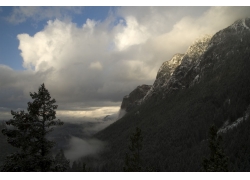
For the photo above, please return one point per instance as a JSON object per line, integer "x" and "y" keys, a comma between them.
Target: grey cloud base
{"x": 96, "y": 64}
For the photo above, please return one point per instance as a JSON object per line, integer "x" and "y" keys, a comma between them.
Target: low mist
{"x": 80, "y": 148}
{"x": 121, "y": 113}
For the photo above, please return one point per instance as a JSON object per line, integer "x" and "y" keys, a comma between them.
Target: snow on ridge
{"x": 224, "y": 129}
{"x": 227, "y": 126}
{"x": 244, "y": 24}
{"x": 164, "y": 74}
{"x": 173, "y": 61}
{"x": 239, "y": 24}
{"x": 170, "y": 72}
{"x": 196, "y": 79}
{"x": 198, "y": 46}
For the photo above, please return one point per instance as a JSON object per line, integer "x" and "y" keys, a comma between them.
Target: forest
{"x": 178, "y": 132}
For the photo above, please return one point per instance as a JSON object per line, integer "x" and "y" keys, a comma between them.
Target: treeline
{"x": 28, "y": 136}
{"x": 175, "y": 129}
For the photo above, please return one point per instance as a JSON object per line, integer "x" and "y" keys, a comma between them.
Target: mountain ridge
{"x": 175, "y": 123}
{"x": 172, "y": 72}
{"x": 187, "y": 70}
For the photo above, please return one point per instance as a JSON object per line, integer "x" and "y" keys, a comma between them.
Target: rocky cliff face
{"x": 134, "y": 98}
{"x": 185, "y": 73}
{"x": 164, "y": 74}
{"x": 176, "y": 73}
{"x": 225, "y": 43}
{"x": 188, "y": 71}
{"x": 185, "y": 70}
{"x": 210, "y": 85}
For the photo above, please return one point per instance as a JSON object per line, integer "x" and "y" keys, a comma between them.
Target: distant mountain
{"x": 209, "y": 84}
{"x": 111, "y": 117}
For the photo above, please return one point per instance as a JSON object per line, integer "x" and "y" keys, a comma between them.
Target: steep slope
{"x": 185, "y": 72}
{"x": 144, "y": 92}
{"x": 132, "y": 100}
{"x": 180, "y": 72}
{"x": 175, "y": 128}
{"x": 164, "y": 74}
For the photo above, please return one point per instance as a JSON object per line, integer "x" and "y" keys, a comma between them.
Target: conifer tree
{"x": 74, "y": 167}
{"x": 29, "y": 134}
{"x": 84, "y": 169}
{"x": 133, "y": 162}
{"x": 217, "y": 162}
{"x": 61, "y": 163}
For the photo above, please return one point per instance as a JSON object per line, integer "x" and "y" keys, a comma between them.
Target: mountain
{"x": 177, "y": 73}
{"x": 208, "y": 85}
{"x": 164, "y": 74}
{"x": 184, "y": 70}
{"x": 181, "y": 71}
{"x": 134, "y": 99}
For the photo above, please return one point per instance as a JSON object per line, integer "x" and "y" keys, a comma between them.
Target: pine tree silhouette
{"x": 29, "y": 134}
{"x": 217, "y": 162}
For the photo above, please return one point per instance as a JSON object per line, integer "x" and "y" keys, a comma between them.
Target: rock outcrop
{"x": 134, "y": 98}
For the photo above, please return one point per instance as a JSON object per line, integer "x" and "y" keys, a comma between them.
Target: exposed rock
{"x": 185, "y": 70}
{"x": 188, "y": 70}
{"x": 164, "y": 74}
{"x": 134, "y": 98}
{"x": 108, "y": 118}
{"x": 181, "y": 71}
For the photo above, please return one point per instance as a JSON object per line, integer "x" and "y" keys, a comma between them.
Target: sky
{"x": 90, "y": 57}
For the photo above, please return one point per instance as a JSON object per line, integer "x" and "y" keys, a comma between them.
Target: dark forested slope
{"x": 175, "y": 123}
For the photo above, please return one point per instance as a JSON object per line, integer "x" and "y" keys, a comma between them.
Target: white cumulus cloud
{"x": 96, "y": 63}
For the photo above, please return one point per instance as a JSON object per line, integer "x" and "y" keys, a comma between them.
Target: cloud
{"x": 94, "y": 112}
{"x": 95, "y": 66}
{"x": 35, "y": 13}
{"x": 96, "y": 63}
{"x": 80, "y": 148}
{"x": 5, "y": 113}
{"x": 74, "y": 57}
{"x": 16, "y": 85}
{"x": 132, "y": 34}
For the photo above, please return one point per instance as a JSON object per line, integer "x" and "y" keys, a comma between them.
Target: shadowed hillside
{"x": 175, "y": 126}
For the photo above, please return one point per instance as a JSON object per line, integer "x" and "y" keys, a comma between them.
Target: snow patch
{"x": 231, "y": 126}
{"x": 196, "y": 78}
{"x": 244, "y": 24}
{"x": 227, "y": 127}
{"x": 126, "y": 97}
{"x": 239, "y": 24}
